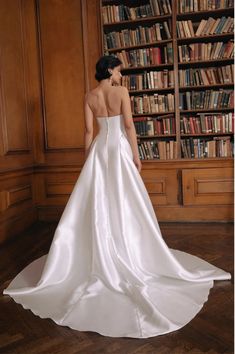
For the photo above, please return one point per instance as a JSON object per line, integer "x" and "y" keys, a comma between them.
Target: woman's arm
{"x": 130, "y": 127}
{"x": 88, "y": 133}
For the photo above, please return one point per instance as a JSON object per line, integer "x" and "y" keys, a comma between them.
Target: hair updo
{"x": 103, "y": 64}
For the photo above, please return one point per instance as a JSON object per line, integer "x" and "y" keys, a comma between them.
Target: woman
{"x": 108, "y": 269}
{"x": 110, "y": 100}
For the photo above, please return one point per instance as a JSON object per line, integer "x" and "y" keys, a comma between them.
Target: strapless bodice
{"x": 113, "y": 125}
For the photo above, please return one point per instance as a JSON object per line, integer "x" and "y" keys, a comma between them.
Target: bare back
{"x": 109, "y": 102}
{"x": 105, "y": 102}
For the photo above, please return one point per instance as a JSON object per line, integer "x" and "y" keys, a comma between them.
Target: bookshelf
{"x": 175, "y": 58}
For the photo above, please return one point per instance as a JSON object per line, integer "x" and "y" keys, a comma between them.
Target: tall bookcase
{"x": 183, "y": 132}
{"x": 182, "y": 187}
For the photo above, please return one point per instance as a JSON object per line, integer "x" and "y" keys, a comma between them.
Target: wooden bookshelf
{"x": 176, "y": 65}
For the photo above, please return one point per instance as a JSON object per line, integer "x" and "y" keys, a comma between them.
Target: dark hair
{"x": 103, "y": 64}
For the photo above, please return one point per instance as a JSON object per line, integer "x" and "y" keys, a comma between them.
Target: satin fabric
{"x": 108, "y": 268}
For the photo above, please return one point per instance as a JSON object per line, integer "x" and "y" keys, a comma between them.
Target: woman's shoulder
{"x": 118, "y": 90}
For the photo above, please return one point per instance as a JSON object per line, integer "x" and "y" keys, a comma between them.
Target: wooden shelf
{"x": 189, "y": 159}
{"x": 175, "y": 66}
{"x": 187, "y": 88}
{"x": 205, "y": 13}
{"x": 151, "y": 114}
{"x": 208, "y": 38}
{"x": 149, "y": 67}
{"x": 165, "y": 89}
{"x": 141, "y": 45}
{"x": 137, "y": 21}
{"x": 207, "y": 110}
{"x": 205, "y": 134}
{"x": 156, "y": 136}
{"x": 208, "y": 62}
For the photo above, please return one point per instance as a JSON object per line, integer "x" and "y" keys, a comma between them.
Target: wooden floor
{"x": 211, "y": 331}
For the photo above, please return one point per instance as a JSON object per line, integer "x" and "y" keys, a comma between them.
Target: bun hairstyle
{"x": 103, "y": 64}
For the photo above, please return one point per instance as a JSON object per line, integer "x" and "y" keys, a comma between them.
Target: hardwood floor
{"x": 211, "y": 331}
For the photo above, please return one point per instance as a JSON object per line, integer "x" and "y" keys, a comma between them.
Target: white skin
{"x": 123, "y": 98}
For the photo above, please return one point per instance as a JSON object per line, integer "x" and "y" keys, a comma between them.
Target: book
{"x": 185, "y": 6}
{"x": 206, "y": 76}
{"x": 210, "y": 26}
{"x": 205, "y": 51}
{"x": 149, "y": 80}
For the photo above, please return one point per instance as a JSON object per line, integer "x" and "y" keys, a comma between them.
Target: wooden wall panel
{"x": 16, "y": 143}
{"x": 17, "y": 206}
{"x": 55, "y": 188}
{"x": 63, "y": 73}
{"x": 208, "y": 186}
{"x": 162, "y": 186}
{"x": 92, "y": 43}
{"x": 19, "y": 111}
{"x": 14, "y": 85}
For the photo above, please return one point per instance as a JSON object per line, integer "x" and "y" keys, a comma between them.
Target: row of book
{"x": 206, "y": 99}
{"x": 148, "y": 126}
{"x": 156, "y": 149}
{"x": 187, "y": 52}
{"x": 219, "y": 146}
{"x": 207, "y": 123}
{"x": 152, "y": 103}
{"x": 206, "y": 76}
{"x": 203, "y": 5}
{"x": 206, "y": 51}
{"x": 149, "y": 80}
{"x": 146, "y": 56}
{"x": 206, "y": 27}
{"x": 140, "y": 35}
{"x": 190, "y": 148}
{"x": 117, "y": 13}
{"x": 203, "y": 123}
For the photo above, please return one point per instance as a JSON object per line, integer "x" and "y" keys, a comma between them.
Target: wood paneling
{"x": 48, "y": 52}
{"x": 55, "y": 188}
{"x": 16, "y": 143}
{"x": 92, "y": 43}
{"x": 208, "y": 186}
{"x": 19, "y": 111}
{"x": 162, "y": 186}
{"x": 17, "y": 203}
{"x": 61, "y": 48}
{"x": 164, "y": 183}
{"x": 14, "y": 81}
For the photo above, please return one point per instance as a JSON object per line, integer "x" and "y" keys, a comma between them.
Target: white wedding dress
{"x": 108, "y": 268}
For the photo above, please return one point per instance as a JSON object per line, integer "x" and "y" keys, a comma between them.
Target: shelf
{"x": 137, "y": 21}
{"x": 139, "y": 137}
{"x": 205, "y": 134}
{"x": 207, "y": 110}
{"x": 156, "y": 136}
{"x": 177, "y": 89}
{"x": 206, "y": 62}
{"x": 186, "y": 88}
{"x": 141, "y": 45}
{"x": 151, "y": 114}
{"x": 205, "y": 13}
{"x": 149, "y": 67}
{"x": 190, "y": 159}
{"x": 207, "y": 38}
{"x": 165, "y": 89}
